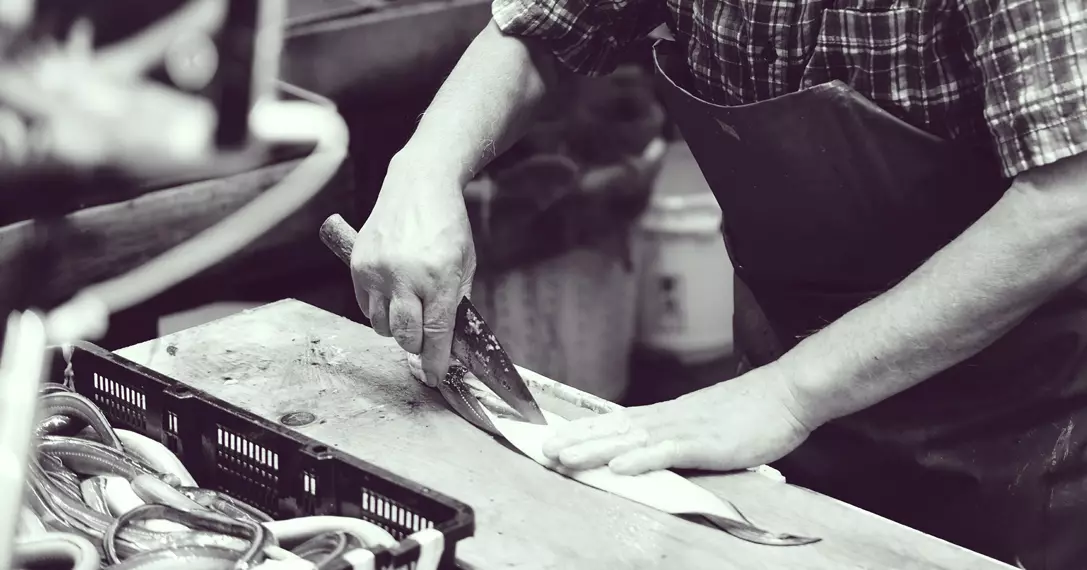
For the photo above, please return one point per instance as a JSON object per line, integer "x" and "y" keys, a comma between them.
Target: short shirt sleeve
{"x": 1032, "y": 58}
{"x": 587, "y": 36}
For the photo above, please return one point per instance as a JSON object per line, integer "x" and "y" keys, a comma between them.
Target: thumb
{"x": 439, "y": 315}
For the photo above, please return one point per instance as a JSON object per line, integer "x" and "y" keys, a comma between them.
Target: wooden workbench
{"x": 289, "y": 356}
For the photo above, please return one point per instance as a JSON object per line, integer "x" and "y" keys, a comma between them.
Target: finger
{"x": 362, "y": 294}
{"x": 415, "y": 367}
{"x": 406, "y": 321}
{"x": 379, "y": 314}
{"x": 439, "y": 316}
{"x": 597, "y": 452}
{"x": 661, "y": 455}
{"x": 583, "y": 430}
{"x": 81, "y": 39}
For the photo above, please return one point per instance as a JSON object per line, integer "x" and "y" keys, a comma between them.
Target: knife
{"x": 474, "y": 345}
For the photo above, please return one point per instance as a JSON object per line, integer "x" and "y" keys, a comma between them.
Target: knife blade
{"x": 478, "y": 349}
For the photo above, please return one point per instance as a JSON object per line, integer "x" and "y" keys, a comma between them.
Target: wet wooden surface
{"x": 289, "y": 356}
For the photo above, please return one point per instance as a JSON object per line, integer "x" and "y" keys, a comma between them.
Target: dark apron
{"x": 828, "y": 201}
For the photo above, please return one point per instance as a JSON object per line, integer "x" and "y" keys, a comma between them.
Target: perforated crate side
{"x": 269, "y": 466}
{"x": 250, "y": 461}
{"x": 379, "y": 501}
{"x": 129, "y": 398}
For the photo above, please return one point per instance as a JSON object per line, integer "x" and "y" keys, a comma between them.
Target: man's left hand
{"x": 745, "y": 422}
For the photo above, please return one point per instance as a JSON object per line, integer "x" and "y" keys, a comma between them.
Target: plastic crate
{"x": 266, "y": 465}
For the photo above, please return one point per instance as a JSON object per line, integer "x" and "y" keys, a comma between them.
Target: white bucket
{"x": 685, "y": 294}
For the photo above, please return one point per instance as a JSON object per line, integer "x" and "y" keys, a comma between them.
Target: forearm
{"x": 1030, "y": 245}
{"x": 482, "y": 108}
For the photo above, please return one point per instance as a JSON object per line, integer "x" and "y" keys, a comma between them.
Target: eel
{"x": 182, "y": 558}
{"x": 90, "y": 458}
{"x": 327, "y": 549}
{"x": 78, "y": 407}
{"x": 225, "y": 505}
{"x": 155, "y": 455}
{"x": 292, "y": 532}
{"x": 63, "y": 512}
{"x": 256, "y": 535}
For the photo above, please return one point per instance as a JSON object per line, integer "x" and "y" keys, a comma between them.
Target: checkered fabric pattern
{"x": 1010, "y": 75}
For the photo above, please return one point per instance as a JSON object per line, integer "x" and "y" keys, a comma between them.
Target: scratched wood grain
{"x": 289, "y": 356}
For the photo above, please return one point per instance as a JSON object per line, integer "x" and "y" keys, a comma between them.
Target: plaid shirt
{"x": 1007, "y": 74}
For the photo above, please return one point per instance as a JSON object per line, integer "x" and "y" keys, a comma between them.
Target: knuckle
{"x": 362, "y": 258}
{"x": 438, "y": 319}
{"x": 640, "y": 437}
{"x": 441, "y": 268}
{"x": 622, "y": 422}
{"x": 402, "y": 323}
{"x": 406, "y": 340}
{"x": 666, "y": 452}
{"x": 681, "y": 452}
{"x": 366, "y": 275}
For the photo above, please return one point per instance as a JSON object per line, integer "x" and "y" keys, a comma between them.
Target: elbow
{"x": 1054, "y": 199}
{"x": 550, "y": 72}
{"x": 1047, "y": 209}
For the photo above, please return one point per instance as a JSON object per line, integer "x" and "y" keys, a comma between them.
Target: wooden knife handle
{"x": 339, "y": 236}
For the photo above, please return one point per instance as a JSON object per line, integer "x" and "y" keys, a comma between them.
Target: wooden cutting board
{"x": 289, "y": 356}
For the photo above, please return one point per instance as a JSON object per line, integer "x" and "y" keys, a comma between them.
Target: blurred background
{"x": 612, "y": 280}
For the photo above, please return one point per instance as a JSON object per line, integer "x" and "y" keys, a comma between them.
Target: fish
{"x": 78, "y": 407}
{"x": 292, "y": 532}
{"x": 182, "y": 558}
{"x": 94, "y": 494}
{"x": 65, "y": 479}
{"x": 58, "y": 425}
{"x": 128, "y": 499}
{"x": 225, "y": 505}
{"x": 155, "y": 455}
{"x": 256, "y": 535}
{"x": 327, "y": 549}
{"x": 59, "y": 510}
{"x": 153, "y": 490}
{"x": 90, "y": 458}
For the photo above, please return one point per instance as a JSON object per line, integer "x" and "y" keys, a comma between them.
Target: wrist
{"x": 807, "y": 402}
{"x": 433, "y": 169}
{"x": 440, "y": 158}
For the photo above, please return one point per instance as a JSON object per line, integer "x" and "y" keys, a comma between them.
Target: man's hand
{"x": 414, "y": 258}
{"x": 744, "y": 422}
{"x": 412, "y": 262}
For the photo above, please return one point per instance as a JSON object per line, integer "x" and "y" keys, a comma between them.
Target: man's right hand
{"x": 412, "y": 262}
